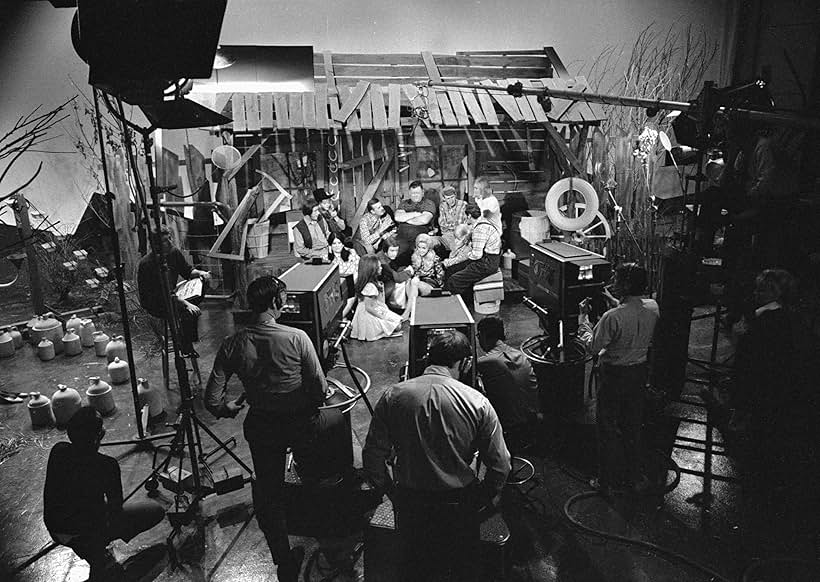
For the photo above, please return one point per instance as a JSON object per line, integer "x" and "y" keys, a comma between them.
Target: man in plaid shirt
{"x": 483, "y": 259}
{"x": 374, "y": 226}
{"x": 450, "y": 215}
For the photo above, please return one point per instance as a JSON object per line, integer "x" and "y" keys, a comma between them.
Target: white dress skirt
{"x": 368, "y": 326}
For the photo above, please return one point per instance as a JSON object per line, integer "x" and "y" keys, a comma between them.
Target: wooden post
{"x": 20, "y": 207}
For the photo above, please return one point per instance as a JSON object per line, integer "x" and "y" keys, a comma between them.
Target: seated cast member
{"x": 150, "y": 291}
{"x": 347, "y": 259}
{"x": 621, "y": 339}
{"x": 486, "y": 200}
{"x": 375, "y": 226}
{"x": 450, "y": 215}
{"x": 483, "y": 258}
{"x": 82, "y": 500}
{"x": 460, "y": 251}
{"x": 373, "y": 320}
{"x": 426, "y": 264}
{"x": 285, "y": 386}
{"x": 432, "y": 426}
{"x": 414, "y": 216}
{"x": 330, "y": 212}
{"x": 400, "y": 287}
{"x": 508, "y": 377}
{"x": 310, "y": 234}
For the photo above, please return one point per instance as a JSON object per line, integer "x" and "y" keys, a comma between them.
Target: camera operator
{"x": 285, "y": 386}
{"x": 82, "y": 499}
{"x": 621, "y": 339}
{"x": 434, "y": 424}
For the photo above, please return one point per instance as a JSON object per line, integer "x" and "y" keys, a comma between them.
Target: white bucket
{"x": 258, "y": 238}
{"x": 535, "y": 227}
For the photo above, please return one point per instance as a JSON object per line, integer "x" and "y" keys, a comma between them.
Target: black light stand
{"x": 187, "y": 426}
{"x": 118, "y": 267}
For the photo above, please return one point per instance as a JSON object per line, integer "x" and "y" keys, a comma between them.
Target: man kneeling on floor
{"x": 434, "y": 425}
{"x": 82, "y": 501}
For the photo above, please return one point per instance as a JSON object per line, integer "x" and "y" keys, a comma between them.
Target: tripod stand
{"x": 186, "y": 435}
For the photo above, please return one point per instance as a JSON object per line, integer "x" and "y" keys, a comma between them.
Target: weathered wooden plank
{"x": 370, "y": 158}
{"x": 537, "y": 108}
{"x": 506, "y": 101}
{"x": 252, "y": 111}
{"x": 447, "y": 115}
{"x": 430, "y": 66}
{"x": 320, "y": 106}
{"x": 240, "y": 120}
{"x": 377, "y": 104}
{"x": 352, "y": 123}
{"x": 534, "y": 58}
{"x": 295, "y": 110}
{"x": 221, "y": 101}
{"x": 472, "y": 105}
{"x": 239, "y": 214}
{"x": 523, "y": 103}
{"x": 555, "y": 61}
{"x": 266, "y": 110}
{"x": 458, "y": 106}
{"x": 420, "y": 72}
{"x": 394, "y": 106}
{"x": 487, "y": 107}
{"x": 366, "y": 111}
{"x": 559, "y": 141}
{"x": 249, "y": 153}
{"x": 330, "y": 78}
{"x": 280, "y": 101}
{"x": 309, "y": 110}
{"x": 352, "y": 102}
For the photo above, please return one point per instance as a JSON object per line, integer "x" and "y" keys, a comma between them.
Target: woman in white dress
{"x": 373, "y": 320}
{"x": 347, "y": 259}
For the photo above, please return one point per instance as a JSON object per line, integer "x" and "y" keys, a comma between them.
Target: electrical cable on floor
{"x": 654, "y": 548}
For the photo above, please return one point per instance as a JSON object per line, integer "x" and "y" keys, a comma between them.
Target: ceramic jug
{"x": 115, "y": 349}
{"x": 118, "y": 371}
{"x": 6, "y": 344}
{"x": 71, "y": 343}
{"x": 101, "y": 340}
{"x": 39, "y": 408}
{"x": 49, "y": 328}
{"x": 17, "y": 337}
{"x": 149, "y": 397}
{"x": 73, "y": 322}
{"x": 65, "y": 402}
{"x": 45, "y": 350}
{"x": 100, "y": 396}
{"x": 87, "y": 329}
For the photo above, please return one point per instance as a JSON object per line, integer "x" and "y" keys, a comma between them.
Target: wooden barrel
{"x": 258, "y": 238}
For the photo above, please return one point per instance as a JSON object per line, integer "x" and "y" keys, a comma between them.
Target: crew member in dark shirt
{"x": 285, "y": 386}
{"x": 414, "y": 217}
{"x": 150, "y": 290}
{"x": 82, "y": 500}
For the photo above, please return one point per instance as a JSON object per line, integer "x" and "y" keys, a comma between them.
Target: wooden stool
{"x": 489, "y": 293}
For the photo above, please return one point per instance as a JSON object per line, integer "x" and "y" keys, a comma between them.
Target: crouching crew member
{"x": 285, "y": 386}
{"x": 434, "y": 425}
{"x": 82, "y": 499}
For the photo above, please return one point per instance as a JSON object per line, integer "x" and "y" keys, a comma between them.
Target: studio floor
{"x": 225, "y": 544}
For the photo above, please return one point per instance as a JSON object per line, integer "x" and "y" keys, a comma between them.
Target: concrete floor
{"x": 227, "y": 544}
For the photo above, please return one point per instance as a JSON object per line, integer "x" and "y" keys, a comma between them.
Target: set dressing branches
{"x": 28, "y": 132}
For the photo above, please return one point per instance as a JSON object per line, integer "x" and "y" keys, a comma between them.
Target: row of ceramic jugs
{"x": 47, "y": 335}
{"x": 66, "y": 401}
